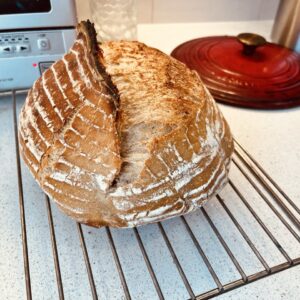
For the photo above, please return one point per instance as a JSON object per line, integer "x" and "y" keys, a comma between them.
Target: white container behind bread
{"x": 114, "y": 20}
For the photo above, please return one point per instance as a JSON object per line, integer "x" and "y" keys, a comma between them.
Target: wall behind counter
{"x": 172, "y": 11}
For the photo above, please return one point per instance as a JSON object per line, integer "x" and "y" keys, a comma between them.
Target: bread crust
{"x": 80, "y": 119}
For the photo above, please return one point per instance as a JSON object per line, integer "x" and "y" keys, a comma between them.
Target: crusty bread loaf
{"x": 123, "y": 135}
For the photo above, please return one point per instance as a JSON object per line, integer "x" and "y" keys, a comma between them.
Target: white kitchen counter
{"x": 272, "y": 137}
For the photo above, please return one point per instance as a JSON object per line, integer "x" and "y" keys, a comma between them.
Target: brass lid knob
{"x": 250, "y": 42}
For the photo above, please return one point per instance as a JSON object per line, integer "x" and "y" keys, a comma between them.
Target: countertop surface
{"x": 272, "y": 137}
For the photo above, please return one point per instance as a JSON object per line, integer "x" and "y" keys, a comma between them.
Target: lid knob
{"x": 250, "y": 42}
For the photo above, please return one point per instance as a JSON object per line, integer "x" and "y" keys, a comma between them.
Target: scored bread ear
{"x": 87, "y": 29}
{"x": 68, "y": 132}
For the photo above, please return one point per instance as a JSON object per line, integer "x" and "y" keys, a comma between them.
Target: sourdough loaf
{"x": 121, "y": 134}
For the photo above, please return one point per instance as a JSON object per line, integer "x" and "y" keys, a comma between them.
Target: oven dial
{"x": 43, "y": 44}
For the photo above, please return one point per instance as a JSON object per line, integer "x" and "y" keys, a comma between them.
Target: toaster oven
{"x": 33, "y": 34}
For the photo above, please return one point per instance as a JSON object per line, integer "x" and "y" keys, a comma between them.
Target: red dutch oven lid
{"x": 245, "y": 70}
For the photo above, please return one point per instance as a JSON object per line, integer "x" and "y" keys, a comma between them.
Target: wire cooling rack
{"x": 247, "y": 232}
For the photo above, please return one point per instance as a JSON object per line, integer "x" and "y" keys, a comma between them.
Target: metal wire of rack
{"x": 278, "y": 204}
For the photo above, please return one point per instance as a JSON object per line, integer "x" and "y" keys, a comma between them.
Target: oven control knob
{"x": 43, "y": 44}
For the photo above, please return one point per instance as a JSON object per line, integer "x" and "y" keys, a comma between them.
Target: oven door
{"x": 35, "y": 14}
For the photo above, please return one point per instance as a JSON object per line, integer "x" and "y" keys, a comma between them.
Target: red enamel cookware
{"x": 245, "y": 70}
